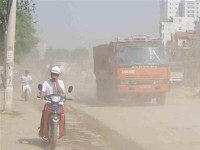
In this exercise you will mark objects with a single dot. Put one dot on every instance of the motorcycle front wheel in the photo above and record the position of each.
(54, 135)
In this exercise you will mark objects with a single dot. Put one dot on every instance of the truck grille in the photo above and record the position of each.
(157, 76)
(137, 82)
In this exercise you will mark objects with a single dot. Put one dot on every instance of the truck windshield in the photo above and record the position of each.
(141, 55)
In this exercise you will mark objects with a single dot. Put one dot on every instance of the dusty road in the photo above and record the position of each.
(175, 126)
(93, 125)
(19, 130)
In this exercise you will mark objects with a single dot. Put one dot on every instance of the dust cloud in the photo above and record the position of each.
(129, 93)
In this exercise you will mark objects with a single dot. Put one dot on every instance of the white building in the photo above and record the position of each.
(191, 8)
(178, 16)
(179, 8)
(178, 24)
(169, 9)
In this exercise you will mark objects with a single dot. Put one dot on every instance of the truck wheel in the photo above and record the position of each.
(160, 99)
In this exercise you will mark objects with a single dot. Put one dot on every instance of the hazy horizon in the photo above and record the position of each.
(71, 24)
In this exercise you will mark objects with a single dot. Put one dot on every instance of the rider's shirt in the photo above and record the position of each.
(26, 79)
(49, 87)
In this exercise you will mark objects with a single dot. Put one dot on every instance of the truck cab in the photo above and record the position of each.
(135, 68)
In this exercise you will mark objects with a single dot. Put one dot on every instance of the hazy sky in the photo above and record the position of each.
(84, 23)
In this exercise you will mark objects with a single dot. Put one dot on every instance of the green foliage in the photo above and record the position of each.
(25, 30)
(2, 5)
(2, 27)
(25, 38)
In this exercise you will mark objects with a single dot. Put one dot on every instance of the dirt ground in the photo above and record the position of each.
(175, 126)
(93, 125)
(19, 130)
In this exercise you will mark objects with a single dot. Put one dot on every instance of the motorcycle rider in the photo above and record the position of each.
(26, 79)
(52, 86)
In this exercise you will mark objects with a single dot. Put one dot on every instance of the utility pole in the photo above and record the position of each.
(9, 56)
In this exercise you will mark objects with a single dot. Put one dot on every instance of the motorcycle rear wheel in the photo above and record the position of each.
(26, 95)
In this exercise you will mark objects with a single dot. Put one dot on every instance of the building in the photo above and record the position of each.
(185, 40)
(179, 8)
(169, 9)
(190, 8)
(182, 43)
(197, 30)
(178, 16)
(177, 24)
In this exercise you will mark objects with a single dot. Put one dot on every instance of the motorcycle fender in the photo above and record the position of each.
(55, 119)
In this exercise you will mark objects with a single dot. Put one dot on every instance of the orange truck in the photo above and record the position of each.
(135, 67)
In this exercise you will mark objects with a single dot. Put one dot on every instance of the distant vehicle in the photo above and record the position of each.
(26, 92)
(134, 67)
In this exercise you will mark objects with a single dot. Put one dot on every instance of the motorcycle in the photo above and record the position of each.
(54, 119)
(26, 92)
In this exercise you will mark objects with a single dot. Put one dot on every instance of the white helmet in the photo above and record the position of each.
(55, 70)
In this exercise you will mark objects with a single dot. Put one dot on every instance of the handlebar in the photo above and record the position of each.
(63, 98)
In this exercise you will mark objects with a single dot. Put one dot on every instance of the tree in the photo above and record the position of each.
(25, 30)
(2, 27)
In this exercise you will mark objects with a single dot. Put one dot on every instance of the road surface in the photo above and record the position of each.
(93, 125)
(19, 130)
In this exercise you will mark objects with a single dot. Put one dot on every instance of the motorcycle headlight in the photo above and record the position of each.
(55, 98)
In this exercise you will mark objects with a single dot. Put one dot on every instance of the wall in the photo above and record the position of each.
(181, 24)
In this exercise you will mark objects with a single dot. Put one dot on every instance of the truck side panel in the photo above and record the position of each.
(101, 55)
(101, 61)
